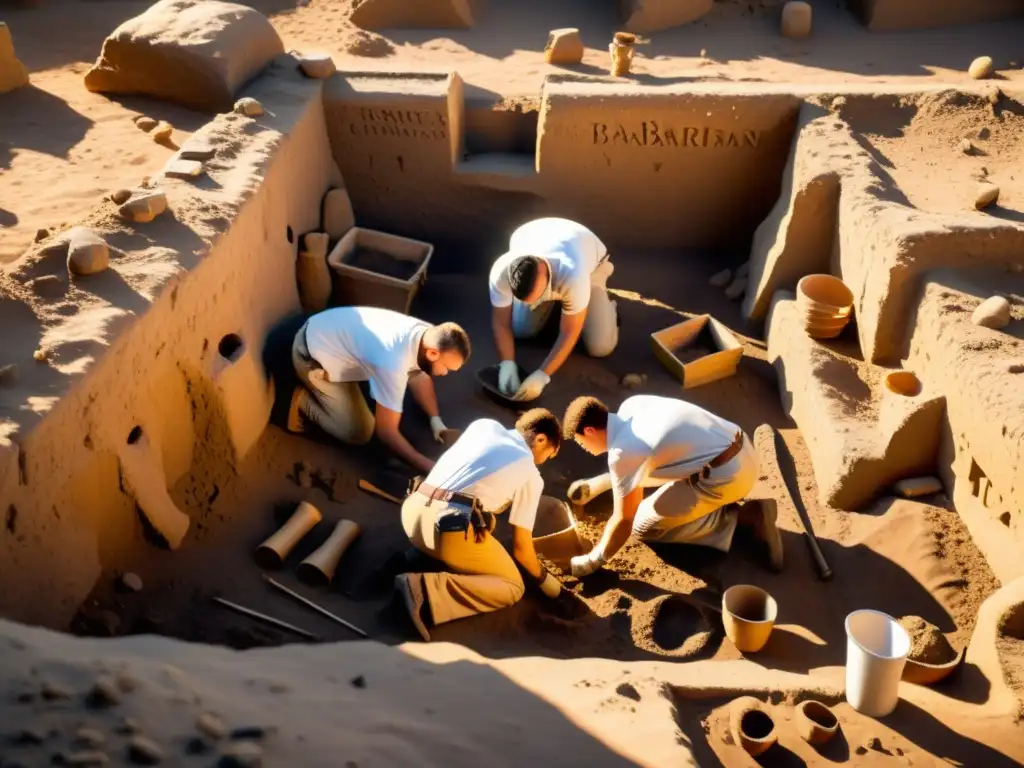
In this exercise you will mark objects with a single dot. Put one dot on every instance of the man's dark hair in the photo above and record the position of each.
(584, 412)
(449, 337)
(540, 421)
(522, 274)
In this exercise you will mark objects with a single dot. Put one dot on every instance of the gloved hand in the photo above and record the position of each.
(508, 377)
(549, 585)
(584, 565)
(437, 427)
(532, 386)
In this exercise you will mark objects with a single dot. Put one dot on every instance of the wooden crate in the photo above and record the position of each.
(717, 365)
(354, 286)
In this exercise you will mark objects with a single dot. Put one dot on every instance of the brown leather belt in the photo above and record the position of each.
(729, 453)
(433, 492)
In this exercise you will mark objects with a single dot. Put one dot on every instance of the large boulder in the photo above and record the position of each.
(12, 72)
(198, 53)
(421, 14)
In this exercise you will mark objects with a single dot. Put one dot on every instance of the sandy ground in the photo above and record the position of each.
(62, 148)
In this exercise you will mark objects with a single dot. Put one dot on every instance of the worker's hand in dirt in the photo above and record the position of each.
(508, 377)
(437, 427)
(549, 585)
(532, 386)
(584, 565)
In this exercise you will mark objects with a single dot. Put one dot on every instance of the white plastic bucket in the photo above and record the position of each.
(876, 652)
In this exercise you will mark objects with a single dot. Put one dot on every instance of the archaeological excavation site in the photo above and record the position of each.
(815, 212)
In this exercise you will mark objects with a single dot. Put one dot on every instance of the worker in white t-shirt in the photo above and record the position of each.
(551, 261)
(338, 348)
(699, 463)
(450, 516)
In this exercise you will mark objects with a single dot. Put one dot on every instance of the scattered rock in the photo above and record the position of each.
(144, 207)
(163, 132)
(838, 103)
(720, 279)
(131, 582)
(304, 474)
(197, 149)
(358, 681)
(564, 47)
(861, 750)
(317, 65)
(128, 725)
(104, 693)
(993, 312)
(178, 168)
(629, 691)
(145, 751)
(39, 356)
(338, 217)
(913, 487)
(984, 133)
(8, 375)
(55, 691)
(243, 754)
(634, 380)
(987, 194)
(211, 725)
(249, 107)
(91, 737)
(29, 737)
(966, 147)
(90, 757)
(737, 289)
(981, 68)
(42, 234)
(121, 196)
(251, 732)
(146, 124)
(87, 252)
(796, 19)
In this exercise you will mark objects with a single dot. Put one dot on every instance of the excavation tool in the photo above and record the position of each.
(369, 487)
(266, 619)
(310, 604)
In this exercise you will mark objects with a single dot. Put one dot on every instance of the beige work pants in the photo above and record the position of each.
(483, 576)
(338, 408)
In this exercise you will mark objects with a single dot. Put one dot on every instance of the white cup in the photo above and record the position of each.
(876, 652)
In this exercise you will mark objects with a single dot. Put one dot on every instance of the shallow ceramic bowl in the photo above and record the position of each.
(826, 290)
(926, 674)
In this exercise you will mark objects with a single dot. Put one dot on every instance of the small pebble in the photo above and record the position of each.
(145, 207)
(128, 725)
(993, 312)
(8, 375)
(317, 65)
(162, 133)
(243, 754)
(145, 751)
(88, 253)
(147, 124)
(987, 194)
(629, 691)
(211, 725)
(104, 693)
(180, 168)
(53, 691)
(127, 683)
(132, 582)
(249, 107)
(633, 380)
(91, 757)
(981, 68)
(862, 750)
(42, 234)
(720, 279)
(358, 681)
(91, 737)
(966, 147)
(121, 196)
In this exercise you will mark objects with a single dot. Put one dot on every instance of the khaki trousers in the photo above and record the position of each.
(482, 578)
(338, 408)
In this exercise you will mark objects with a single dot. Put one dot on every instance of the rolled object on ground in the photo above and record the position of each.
(318, 569)
(272, 552)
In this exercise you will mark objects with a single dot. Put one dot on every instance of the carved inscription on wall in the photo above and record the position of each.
(654, 133)
(400, 124)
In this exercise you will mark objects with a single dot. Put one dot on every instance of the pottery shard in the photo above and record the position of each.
(981, 68)
(317, 65)
(249, 107)
(737, 289)
(338, 217)
(144, 207)
(178, 168)
(987, 194)
(12, 72)
(913, 487)
(993, 312)
(720, 279)
(87, 252)
(564, 47)
(796, 19)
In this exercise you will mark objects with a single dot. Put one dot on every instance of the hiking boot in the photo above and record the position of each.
(410, 587)
(765, 519)
(296, 421)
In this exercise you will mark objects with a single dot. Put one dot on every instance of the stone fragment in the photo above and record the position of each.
(358, 681)
(47, 285)
(987, 194)
(338, 217)
(92, 737)
(90, 757)
(128, 725)
(737, 289)
(634, 380)
(39, 355)
(211, 725)
(163, 132)
(104, 693)
(54, 691)
(146, 124)
(42, 234)
(177, 168)
(913, 487)
(8, 375)
(197, 149)
(720, 279)
(121, 196)
(127, 683)
(144, 207)
(249, 107)
(87, 252)
(796, 19)
(981, 68)
(966, 147)
(12, 72)
(564, 47)
(317, 65)
(242, 754)
(993, 312)
(145, 751)
(131, 582)
(838, 103)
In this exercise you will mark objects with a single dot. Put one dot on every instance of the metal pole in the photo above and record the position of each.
(266, 619)
(310, 604)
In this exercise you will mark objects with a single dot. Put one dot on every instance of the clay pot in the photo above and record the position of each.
(555, 534)
(824, 290)
(748, 615)
(825, 329)
(903, 383)
(815, 722)
(922, 673)
(751, 726)
(318, 569)
(272, 552)
(622, 58)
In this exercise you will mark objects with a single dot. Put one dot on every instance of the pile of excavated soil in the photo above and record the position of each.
(927, 643)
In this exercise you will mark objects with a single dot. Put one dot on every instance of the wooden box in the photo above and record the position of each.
(356, 285)
(669, 347)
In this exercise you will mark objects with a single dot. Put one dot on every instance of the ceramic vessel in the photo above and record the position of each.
(751, 726)
(272, 552)
(815, 722)
(748, 615)
(318, 569)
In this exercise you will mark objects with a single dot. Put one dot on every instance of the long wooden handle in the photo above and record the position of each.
(371, 488)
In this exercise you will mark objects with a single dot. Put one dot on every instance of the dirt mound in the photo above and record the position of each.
(368, 44)
(198, 54)
(927, 643)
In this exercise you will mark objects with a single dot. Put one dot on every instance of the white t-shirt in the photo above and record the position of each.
(367, 344)
(495, 465)
(662, 438)
(571, 251)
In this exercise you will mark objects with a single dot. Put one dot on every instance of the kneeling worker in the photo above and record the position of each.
(698, 461)
(450, 516)
(548, 261)
(338, 348)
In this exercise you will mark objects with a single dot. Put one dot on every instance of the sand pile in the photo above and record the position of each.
(927, 643)
(360, 42)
